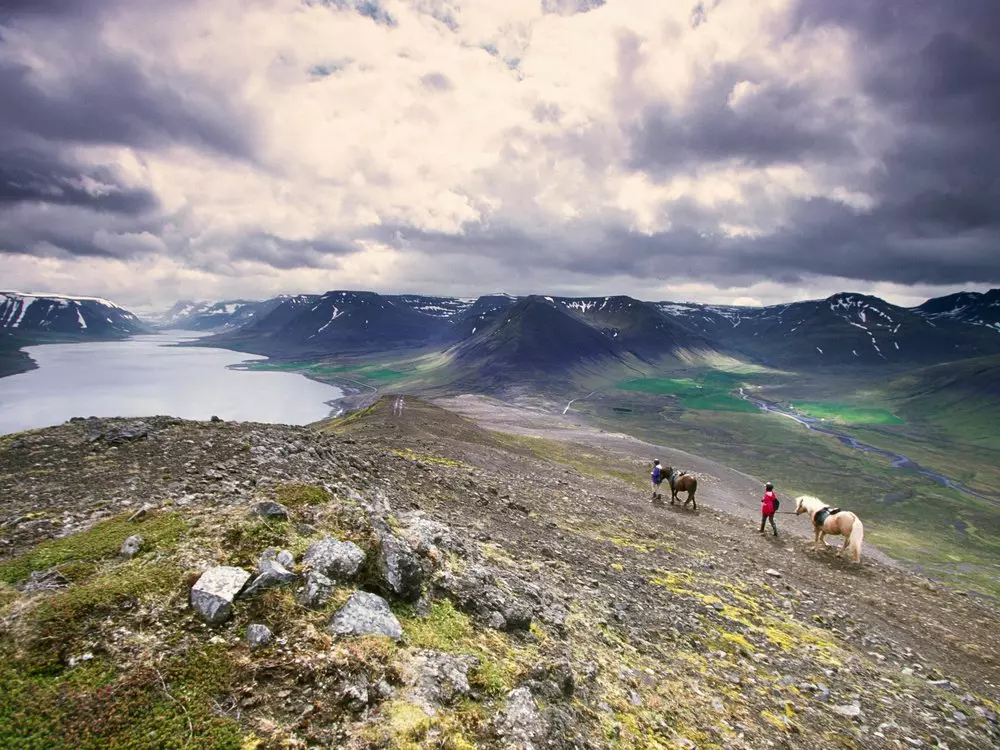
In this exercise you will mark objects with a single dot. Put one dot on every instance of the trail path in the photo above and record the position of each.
(720, 488)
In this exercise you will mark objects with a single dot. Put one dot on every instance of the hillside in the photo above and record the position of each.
(971, 308)
(33, 315)
(846, 329)
(528, 604)
(186, 315)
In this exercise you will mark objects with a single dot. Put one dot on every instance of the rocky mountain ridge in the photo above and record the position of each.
(520, 602)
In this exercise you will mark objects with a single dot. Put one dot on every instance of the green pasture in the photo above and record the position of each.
(846, 414)
(708, 391)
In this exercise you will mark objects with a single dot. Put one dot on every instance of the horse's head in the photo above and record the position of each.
(668, 470)
(799, 507)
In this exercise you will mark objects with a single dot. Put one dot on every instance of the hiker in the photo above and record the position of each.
(656, 477)
(768, 506)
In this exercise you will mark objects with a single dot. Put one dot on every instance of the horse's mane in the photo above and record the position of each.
(809, 502)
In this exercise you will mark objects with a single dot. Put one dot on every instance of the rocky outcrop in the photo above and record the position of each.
(366, 614)
(213, 593)
(334, 559)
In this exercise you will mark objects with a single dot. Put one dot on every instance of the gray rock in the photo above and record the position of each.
(131, 546)
(519, 723)
(773, 573)
(439, 679)
(286, 559)
(45, 580)
(401, 571)
(270, 509)
(258, 635)
(366, 614)
(850, 710)
(316, 591)
(212, 595)
(271, 575)
(334, 559)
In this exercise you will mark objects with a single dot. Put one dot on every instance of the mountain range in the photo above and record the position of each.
(500, 336)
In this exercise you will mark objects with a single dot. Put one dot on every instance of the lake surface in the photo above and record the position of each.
(146, 375)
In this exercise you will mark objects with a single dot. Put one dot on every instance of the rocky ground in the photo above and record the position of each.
(405, 578)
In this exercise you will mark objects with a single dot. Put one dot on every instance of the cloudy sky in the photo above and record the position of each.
(727, 150)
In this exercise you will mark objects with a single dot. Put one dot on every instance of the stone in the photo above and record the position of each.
(131, 546)
(270, 509)
(519, 723)
(215, 418)
(334, 559)
(271, 575)
(317, 589)
(286, 559)
(212, 595)
(400, 570)
(773, 573)
(849, 710)
(141, 513)
(45, 580)
(366, 614)
(258, 635)
(439, 679)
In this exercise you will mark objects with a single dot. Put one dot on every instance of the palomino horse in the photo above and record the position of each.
(682, 483)
(827, 520)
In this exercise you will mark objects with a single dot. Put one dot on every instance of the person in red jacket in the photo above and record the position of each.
(768, 505)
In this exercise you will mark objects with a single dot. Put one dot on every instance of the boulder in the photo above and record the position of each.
(270, 509)
(519, 723)
(366, 614)
(131, 546)
(317, 590)
(400, 570)
(334, 559)
(439, 679)
(284, 558)
(258, 635)
(271, 574)
(212, 595)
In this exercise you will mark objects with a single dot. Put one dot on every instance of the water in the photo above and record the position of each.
(145, 376)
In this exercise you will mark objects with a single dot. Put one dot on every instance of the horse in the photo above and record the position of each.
(682, 483)
(827, 520)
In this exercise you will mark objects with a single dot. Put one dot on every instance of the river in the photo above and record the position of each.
(899, 461)
(148, 375)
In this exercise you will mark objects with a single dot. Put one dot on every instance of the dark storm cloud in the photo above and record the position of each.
(38, 178)
(283, 253)
(775, 122)
(52, 201)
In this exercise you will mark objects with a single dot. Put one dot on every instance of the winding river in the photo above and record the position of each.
(898, 460)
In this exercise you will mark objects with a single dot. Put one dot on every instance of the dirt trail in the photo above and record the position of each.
(720, 489)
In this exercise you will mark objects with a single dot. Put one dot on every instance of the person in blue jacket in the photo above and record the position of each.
(656, 477)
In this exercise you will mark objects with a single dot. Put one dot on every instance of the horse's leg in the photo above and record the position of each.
(694, 503)
(816, 533)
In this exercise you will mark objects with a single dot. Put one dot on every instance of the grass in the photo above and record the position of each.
(846, 414)
(103, 540)
(707, 391)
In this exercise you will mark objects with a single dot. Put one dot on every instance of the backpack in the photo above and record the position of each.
(776, 502)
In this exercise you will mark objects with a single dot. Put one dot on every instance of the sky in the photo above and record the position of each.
(725, 151)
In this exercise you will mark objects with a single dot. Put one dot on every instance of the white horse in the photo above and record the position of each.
(827, 520)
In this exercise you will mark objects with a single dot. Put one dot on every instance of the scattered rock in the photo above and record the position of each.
(439, 679)
(850, 710)
(334, 559)
(773, 573)
(270, 509)
(401, 571)
(212, 595)
(141, 513)
(519, 723)
(316, 591)
(366, 614)
(215, 419)
(258, 635)
(271, 574)
(286, 559)
(131, 546)
(45, 580)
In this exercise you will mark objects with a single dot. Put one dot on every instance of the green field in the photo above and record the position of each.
(707, 391)
(846, 414)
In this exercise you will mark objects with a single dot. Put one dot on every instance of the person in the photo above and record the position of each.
(768, 505)
(656, 477)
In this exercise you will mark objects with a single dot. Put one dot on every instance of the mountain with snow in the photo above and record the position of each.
(29, 315)
(189, 315)
(972, 308)
(844, 329)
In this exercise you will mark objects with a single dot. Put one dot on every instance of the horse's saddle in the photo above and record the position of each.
(824, 513)
(674, 477)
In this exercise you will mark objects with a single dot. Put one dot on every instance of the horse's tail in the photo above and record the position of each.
(855, 540)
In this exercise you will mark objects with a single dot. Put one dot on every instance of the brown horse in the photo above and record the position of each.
(682, 483)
